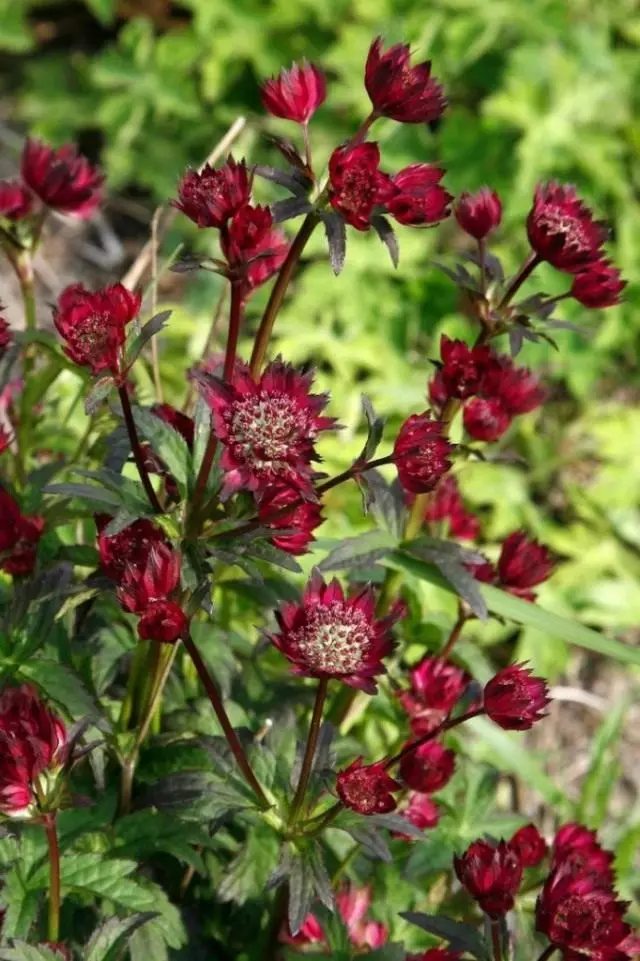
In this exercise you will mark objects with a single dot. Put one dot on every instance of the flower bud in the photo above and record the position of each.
(480, 213)
(515, 698)
(366, 788)
(421, 453)
(491, 875)
(398, 90)
(598, 286)
(561, 228)
(428, 768)
(530, 845)
(295, 94)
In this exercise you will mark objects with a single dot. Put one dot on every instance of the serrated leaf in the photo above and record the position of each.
(62, 686)
(150, 329)
(321, 879)
(88, 493)
(386, 502)
(295, 181)
(361, 551)
(283, 210)
(375, 426)
(199, 796)
(166, 442)
(247, 874)
(365, 833)
(110, 938)
(336, 232)
(98, 394)
(21, 951)
(451, 566)
(460, 937)
(301, 889)
(388, 237)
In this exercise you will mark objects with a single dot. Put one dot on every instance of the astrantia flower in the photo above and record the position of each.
(63, 179)
(211, 196)
(422, 811)
(435, 954)
(163, 621)
(330, 634)
(599, 286)
(19, 536)
(139, 589)
(562, 230)
(32, 747)
(517, 388)
(428, 768)
(130, 548)
(268, 427)
(367, 788)
(421, 453)
(353, 905)
(523, 564)
(295, 94)
(356, 184)
(282, 508)
(268, 257)
(515, 698)
(480, 213)
(420, 199)
(93, 325)
(580, 919)
(485, 419)
(446, 504)
(254, 249)
(398, 90)
(579, 853)
(16, 202)
(491, 875)
(6, 336)
(530, 845)
(461, 367)
(436, 687)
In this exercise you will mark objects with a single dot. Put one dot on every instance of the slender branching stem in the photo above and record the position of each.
(310, 750)
(527, 268)
(454, 635)
(138, 454)
(53, 927)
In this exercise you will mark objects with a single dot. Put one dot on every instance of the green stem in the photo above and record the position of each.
(232, 738)
(135, 674)
(53, 929)
(310, 750)
(138, 455)
(278, 291)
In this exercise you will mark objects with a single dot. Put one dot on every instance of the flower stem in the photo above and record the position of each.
(278, 291)
(496, 938)
(530, 263)
(453, 637)
(232, 738)
(482, 256)
(363, 129)
(53, 929)
(548, 951)
(138, 456)
(310, 750)
(432, 735)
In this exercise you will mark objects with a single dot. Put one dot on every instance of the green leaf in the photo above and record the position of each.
(361, 551)
(62, 685)
(149, 832)
(601, 777)
(108, 940)
(98, 394)
(247, 874)
(150, 329)
(166, 442)
(460, 937)
(21, 951)
(88, 493)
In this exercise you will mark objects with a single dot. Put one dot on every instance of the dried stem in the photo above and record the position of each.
(53, 928)
(138, 455)
(310, 750)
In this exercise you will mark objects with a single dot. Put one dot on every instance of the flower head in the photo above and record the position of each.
(428, 768)
(367, 788)
(295, 94)
(6, 335)
(62, 179)
(409, 94)
(19, 536)
(436, 687)
(515, 698)
(581, 919)
(446, 504)
(92, 325)
(530, 845)
(268, 427)
(356, 184)
(32, 745)
(16, 202)
(523, 564)
(491, 875)
(330, 634)
(282, 508)
(210, 197)
(517, 388)
(480, 213)
(140, 588)
(421, 199)
(353, 905)
(485, 419)
(129, 548)
(462, 368)
(599, 285)
(422, 811)
(253, 248)
(421, 453)
(268, 257)
(579, 853)
(163, 621)
(562, 230)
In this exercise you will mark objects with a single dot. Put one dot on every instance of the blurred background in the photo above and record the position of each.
(538, 89)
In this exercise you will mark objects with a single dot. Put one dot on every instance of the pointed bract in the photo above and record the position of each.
(479, 213)
(561, 228)
(62, 179)
(295, 94)
(211, 196)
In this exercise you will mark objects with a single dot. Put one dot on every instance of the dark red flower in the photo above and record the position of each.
(435, 954)
(366, 788)
(6, 335)
(356, 184)
(398, 90)
(16, 202)
(252, 247)
(282, 508)
(180, 422)
(484, 572)
(599, 286)
(163, 621)
(530, 845)
(5, 439)
(578, 852)
(268, 257)
(421, 199)
(63, 179)
(523, 564)
(32, 747)
(139, 589)
(329, 634)
(93, 325)
(422, 811)
(515, 698)
(268, 427)
(210, 197)
(491, 875)
(421, 453)
(428, 768)
(580, 919)
(571, 837)
(19, 536)
(562, 230)
(462, 367)
(446, 504)
(480, 213)
(295, 94)
(436, 687)
(130, 548)
(485, 419)
(517, 388)
(437, 391)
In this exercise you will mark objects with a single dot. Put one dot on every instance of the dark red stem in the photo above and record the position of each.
(496, 938)
(432, 735)
(525, 271)
(453, 637)
(310, 750)
(138, 455)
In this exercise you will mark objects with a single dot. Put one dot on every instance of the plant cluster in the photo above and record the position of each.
(177, 500)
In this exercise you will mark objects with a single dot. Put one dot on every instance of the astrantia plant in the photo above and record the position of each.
(131, 780)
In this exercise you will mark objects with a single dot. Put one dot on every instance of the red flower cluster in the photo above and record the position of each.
(523, 564)
(491, 874)
(16, 202)
(93, 326)
(421, 811)
(329, 634)
(268, 427)
(353, 905)
(19, 536)
(599, 286)
(515, 698)
(32, 751)
(210, 197)
(446, 504)
(530, 845)
(421, 453)
(281, 508)
(62, 179)
(428, 768)
(409, 94)
(436, 687)
(367, 788)
(295, 94)
(480, 213)
(495, 389)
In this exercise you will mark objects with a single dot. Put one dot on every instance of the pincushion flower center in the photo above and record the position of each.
(94, 333)
(358, 189)
(268, 431)
(558, 223)
(334, 639)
